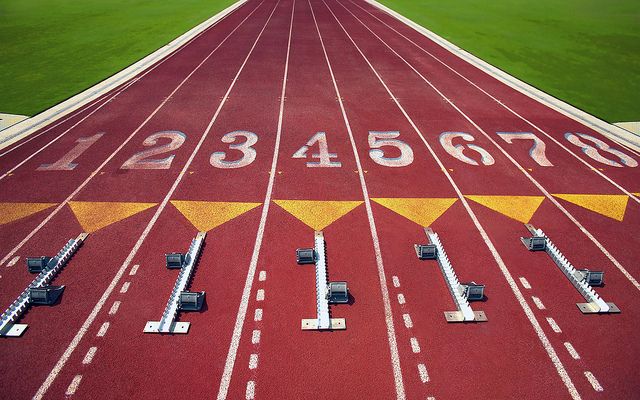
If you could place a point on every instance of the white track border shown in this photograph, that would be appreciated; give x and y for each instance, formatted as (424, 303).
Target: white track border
(611, 131)
(24, 128)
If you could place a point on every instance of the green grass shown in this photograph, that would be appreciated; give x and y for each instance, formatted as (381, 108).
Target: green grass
(53, 49)
(585, 52)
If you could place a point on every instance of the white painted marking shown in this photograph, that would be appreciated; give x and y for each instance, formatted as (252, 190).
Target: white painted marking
(246, 292)
(554, 325)
(251, 390)
(89, 356)
(103, 330)
(562, 372)
(262, 276)
(134, 270)
(538, 303)
(593, 381)
(73, 386)
(431, 398)
(125, 287)
(572, 351)
(424, 375)
(391, 333)
(13, 261)
(415, 346)
(258, 315)
(407, 321)
(255, 337)
(253, 361)
(401, 298)
(114, 308)
(260, 295)
(396, 281)
(525, 283)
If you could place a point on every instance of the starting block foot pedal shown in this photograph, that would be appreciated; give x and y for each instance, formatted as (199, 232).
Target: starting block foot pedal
(46, 295)
(175, 327)
(589, 308)
(14, 330)
(458, 316)
(335, 324)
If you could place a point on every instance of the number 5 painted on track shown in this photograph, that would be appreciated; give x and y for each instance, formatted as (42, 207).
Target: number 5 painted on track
(537, 151)
(379, 139)
(594, 154)
(218, 159)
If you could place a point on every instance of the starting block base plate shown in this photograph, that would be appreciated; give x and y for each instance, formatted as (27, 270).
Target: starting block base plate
(176, 327)
(15, 330)
(334, 325)
(588, 308)
(457, 316)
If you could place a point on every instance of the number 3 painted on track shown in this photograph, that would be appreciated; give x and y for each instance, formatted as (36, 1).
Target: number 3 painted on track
(218, 159)
(593, 153)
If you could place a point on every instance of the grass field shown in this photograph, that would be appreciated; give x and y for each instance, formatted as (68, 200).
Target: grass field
(586, 52)
(53, 49)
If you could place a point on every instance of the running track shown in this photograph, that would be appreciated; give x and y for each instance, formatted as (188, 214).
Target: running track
(223, 116)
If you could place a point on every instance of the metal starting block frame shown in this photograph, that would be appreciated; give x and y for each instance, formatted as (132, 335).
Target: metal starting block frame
(323, 290)
(580, 279)
(460, 292)
(39, 291)
(180, 299)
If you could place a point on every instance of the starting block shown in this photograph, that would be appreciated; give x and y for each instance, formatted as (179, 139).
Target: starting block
(39, 292)
(462, 293)
(582, 280)
(326, 292)
(180, 299)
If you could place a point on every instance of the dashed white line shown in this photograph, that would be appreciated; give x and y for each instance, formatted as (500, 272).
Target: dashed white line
(424, 375)
(103, 330)
(257, 316)
(415, 346)
(407, 321)
(125, 287)
(253, 361)
(134, 270)
(251, 390)
(114, 307)
(255, 337)
(554, 325)
(73, 386)
(525, 283)
(572, 351)
(401, 299)
(431, 398)
(262, 276)
(538, 303)
(260, 295)
(89, 356)
(396, 281)
(13, 261)
(593, 381)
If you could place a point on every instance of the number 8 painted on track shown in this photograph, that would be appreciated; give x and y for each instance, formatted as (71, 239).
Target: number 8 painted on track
(594, 154)
(248, 153)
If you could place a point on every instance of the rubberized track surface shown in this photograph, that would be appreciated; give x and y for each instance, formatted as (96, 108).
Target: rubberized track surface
(273, 75)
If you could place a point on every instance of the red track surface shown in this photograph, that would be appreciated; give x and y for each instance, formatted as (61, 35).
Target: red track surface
(389, 78)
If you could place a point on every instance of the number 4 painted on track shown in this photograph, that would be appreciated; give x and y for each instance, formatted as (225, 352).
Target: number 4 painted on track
(323, 152)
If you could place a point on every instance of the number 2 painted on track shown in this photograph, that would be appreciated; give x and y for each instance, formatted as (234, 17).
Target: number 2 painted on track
(141, 160)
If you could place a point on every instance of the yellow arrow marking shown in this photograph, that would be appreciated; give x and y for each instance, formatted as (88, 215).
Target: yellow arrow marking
(206, 215)
(609, 205)
(10, 212)
(423, 212)
(315, 213)
(95, 215)
(520, 208)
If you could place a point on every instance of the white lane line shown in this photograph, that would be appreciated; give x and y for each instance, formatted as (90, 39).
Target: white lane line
(94, 313)
(125, 287)
(246, 292)
(134, 270)
(554, 325)
(538, 303)
(593, 381)
(525, 283)
(396, 281)
(415, 346)
(504, 105)
(401, 298)
(519, 167)
(122, 145)
(407, 321)
(13, 261)
(391, 333)
(73, 386)
(422, 371)
(257, 316)
(572, 351)
(114, 308)
(262, 276)
(255, 336)
(89, 356)
(103, 330)
(260, 295)
(250, 394)
(553, 356)
(253, 361)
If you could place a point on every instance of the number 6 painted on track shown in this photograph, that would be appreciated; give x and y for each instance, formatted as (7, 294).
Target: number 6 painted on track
(380, 139)
(248, 153)
(446, 140)
(594, 154)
